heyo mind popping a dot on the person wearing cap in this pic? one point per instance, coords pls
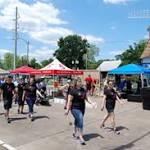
(7, 93)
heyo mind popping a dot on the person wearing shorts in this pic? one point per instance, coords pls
(76, 103)
(109, 101)
(7, 93)
(20, 89)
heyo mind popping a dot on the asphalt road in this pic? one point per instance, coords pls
(51, 129)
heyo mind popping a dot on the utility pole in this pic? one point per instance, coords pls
(28, 43)
(16, 37)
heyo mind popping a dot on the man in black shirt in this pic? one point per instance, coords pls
(7, 93)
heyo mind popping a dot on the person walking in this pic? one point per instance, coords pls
(30, 96)
(7, 94)
(89, 81)
(76, 104)
(20, 89)
(109, 101)
(66, 90)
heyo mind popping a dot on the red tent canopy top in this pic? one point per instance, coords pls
(57, 68)
(24, 70)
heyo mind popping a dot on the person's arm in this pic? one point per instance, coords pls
(23, 95)
(1, 94)
(118, 99)
(103, 102)
(69, 103)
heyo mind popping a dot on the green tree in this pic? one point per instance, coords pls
(133, 53)
(92, 52)
(34, 64)
(46, 62)
(71, 50)
(89, 57)
(8, 61)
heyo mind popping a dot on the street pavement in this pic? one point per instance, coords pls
(51, 130)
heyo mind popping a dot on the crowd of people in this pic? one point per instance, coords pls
(76, 95)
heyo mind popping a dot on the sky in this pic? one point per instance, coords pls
(112, 25)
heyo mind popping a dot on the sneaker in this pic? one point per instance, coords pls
(82, 143)
(32, 119)
(8, 120)
(18, 111)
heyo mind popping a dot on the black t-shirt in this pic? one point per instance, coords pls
(30, 91)
(8, 90)
(79, 96)
(21, 87)
(110, 95)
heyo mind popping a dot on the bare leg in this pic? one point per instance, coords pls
(104, 120)
(75, 132)
(113, 121)
(22, 107)
(81, 136)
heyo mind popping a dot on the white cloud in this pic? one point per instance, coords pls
(116, 1)
(114, 53)
(41, 20)
(93, 39)
(3, 51)
(42, 53)
(50, 35)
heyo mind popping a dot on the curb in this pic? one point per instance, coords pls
(6, 146)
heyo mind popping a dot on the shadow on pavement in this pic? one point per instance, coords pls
(40, 117)
(17, 119)
(119, 128)
(90, 136)
(2, 114)
(131, 144)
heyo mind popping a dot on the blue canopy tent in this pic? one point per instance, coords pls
(130, 69)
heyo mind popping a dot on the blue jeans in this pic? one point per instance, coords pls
(78, 117)
(30, 103)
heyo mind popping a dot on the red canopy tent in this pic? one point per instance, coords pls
(25, 70)
(57, 68)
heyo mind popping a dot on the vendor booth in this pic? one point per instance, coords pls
(128, 70)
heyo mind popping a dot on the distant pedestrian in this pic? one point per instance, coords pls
(109, 101)
(20, 89)
(30, 96)
(7, 94)
(76, 103)
(88, 81)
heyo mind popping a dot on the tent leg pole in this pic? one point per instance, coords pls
(142, 80)
(53, 85)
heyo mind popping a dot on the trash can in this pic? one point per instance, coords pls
(145, 93)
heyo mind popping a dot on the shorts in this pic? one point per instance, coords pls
(88, 87)
(78, 118)
(7, 104)
(20, 102)
(110, 107)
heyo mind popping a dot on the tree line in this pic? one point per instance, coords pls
(76, 52)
